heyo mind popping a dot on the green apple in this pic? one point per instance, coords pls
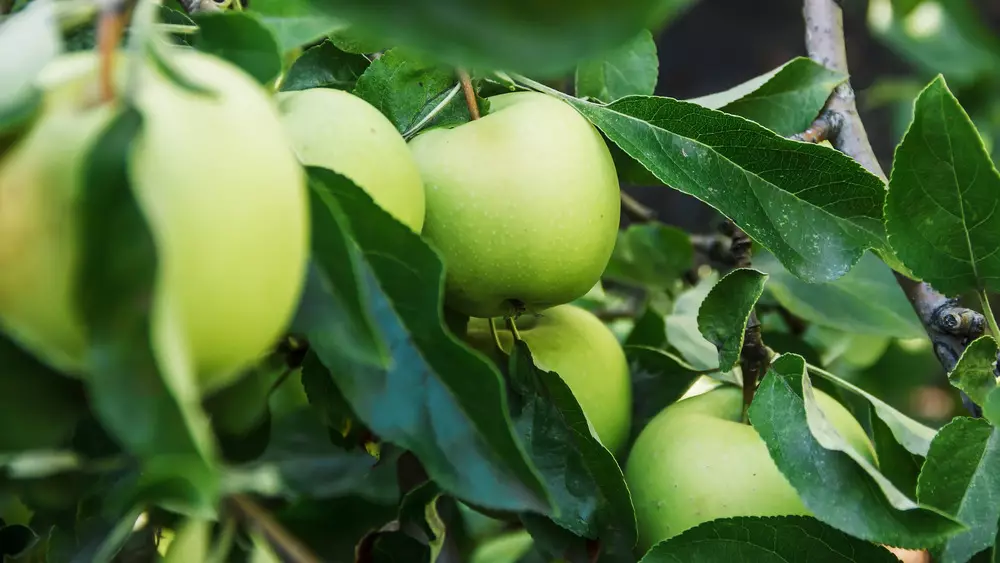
(222, 192)
(523, 204)
(696, 462)
(575, 344)
(342, 132)
(506, 548)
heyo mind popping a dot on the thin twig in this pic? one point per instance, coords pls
(824, 127)
(255, 515)
(949, 326)
(635, 210)
(470, 93)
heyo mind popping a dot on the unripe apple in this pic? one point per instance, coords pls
(523, 204)
(576, 345)
(346, 134)
(696, 461)
(221, 191)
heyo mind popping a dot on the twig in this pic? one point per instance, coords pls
(470, 94)
(635, 210)
(252, 513)
(825, 127)
(754, 357)
(949, 327)
(110, 27)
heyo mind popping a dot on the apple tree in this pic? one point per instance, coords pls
(365, 281)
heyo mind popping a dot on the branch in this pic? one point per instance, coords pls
(949, 326)
(754, 357)
(285, 543)
(635, 210)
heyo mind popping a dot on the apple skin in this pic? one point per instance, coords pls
(576, 345)
(220, 187)
(523, 205)
(696, 462)
(340, 131)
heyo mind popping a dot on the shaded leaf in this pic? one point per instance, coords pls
(436, 397)
(867, 300)
(786, 100)
(629, 70)
(585, 481)
(652, 255)
(682, 326)
(723, 315)
(156, 415)
(15, 540)
(943, 198)
(240, 38)
(329, 402)
(296, 22)
(658, 380)
(991, 409)
(975, 371)
(961, 476)
(408, 90)
(832, 486)
(766, 540)
(898, 465)
(814, 208)
(650, 330)
(325, 66)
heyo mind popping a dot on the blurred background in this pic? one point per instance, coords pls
(894, 47)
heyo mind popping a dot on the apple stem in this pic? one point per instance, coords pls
(110, 27)
(470, 93)
(513, 329)
(496, 336)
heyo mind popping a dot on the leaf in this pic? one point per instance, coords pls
(943, 198)
(766, 540)
(156, 415)
(867, 300)
(814, 208)
(36, 26)
(584, 478)
(190, 543)
(39, 408)
(786, 100)
(961, 476)
(898, 465)
(650, 330)
(15, 540)
(296, 22)
(723, 315)
(991, 409)
(436, 397)
(682, 326)
(500, 34)
(629, 70)
(240, 38)
(975, 371)
(658, 380)
(330, 404)
(834, 488)
(409, 90)
(650, 255)
(325, 66)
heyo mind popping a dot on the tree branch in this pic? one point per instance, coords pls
(754, 357)
(256, 516)
(635, 210)
(949, 326)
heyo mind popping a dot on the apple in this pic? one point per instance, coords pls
(509, 547)
(523, 205)
(220, 187)
(696, 461)
(340, 131)
(575, 344)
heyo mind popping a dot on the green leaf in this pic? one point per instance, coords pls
(190, 543)
(961, 476)
(815, 209)
(630, 70)
(39, 408)
(867, 300)
(651, 255)
(650, 329)
(658, 380)
(991, 409)
(583, 477)
(540, 38)
(295, 23)
(413, 92)
(35, 26)
(240, 38)
(325, 66)
(766, 540)
(156, 415)
(898, 465)
(723, 315)
(435, 397)
(329, 402)
(943, 197)
(682, 326)
(786, 100)
(974, 372)
(834, 488)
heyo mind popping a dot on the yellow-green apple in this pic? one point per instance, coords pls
(340, 131)
(575, 344)
(696, 461)
(219, 186)
(523, 204)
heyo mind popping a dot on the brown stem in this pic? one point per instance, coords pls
(110, 27)
(825, 127)
(949, 327)
(754, 358)
(470, 93)
(255, 515)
